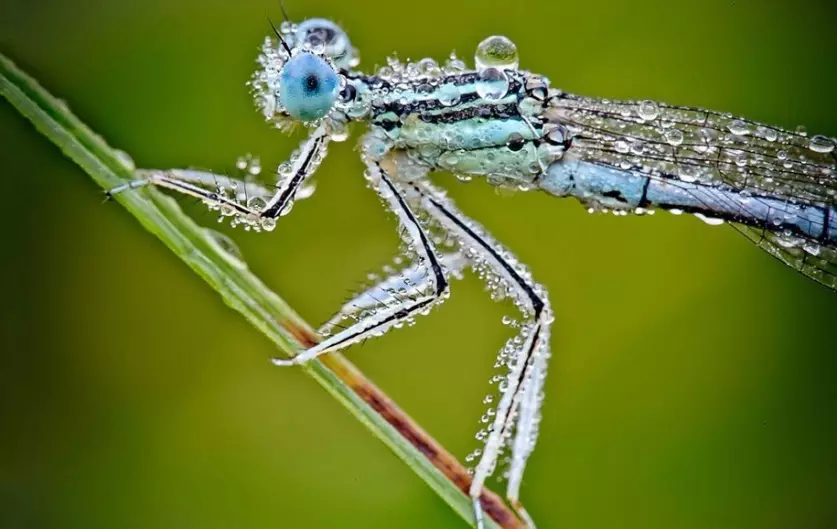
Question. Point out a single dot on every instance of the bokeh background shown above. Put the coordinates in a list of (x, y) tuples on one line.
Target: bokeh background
[(692, 382)]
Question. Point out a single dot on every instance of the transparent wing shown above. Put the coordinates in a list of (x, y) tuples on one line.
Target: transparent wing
[(819, 262), (696, 146)]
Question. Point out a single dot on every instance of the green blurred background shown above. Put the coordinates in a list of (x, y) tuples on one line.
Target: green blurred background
[(692, 382)]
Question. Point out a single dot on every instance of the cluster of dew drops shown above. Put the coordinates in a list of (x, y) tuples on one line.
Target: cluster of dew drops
[(251, 167), (494, 57)]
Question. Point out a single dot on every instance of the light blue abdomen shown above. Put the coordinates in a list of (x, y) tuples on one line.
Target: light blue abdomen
[(602, 186)]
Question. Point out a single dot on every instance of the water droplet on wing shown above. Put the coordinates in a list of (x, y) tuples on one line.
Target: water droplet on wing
[(648, 110), (822, 144)]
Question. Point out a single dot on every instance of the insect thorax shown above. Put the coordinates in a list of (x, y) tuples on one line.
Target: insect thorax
[(464, 124)]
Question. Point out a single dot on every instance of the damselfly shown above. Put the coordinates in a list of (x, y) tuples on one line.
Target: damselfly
[(510, 126)]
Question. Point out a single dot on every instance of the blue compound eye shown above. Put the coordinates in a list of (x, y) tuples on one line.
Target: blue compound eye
[(308, 87)]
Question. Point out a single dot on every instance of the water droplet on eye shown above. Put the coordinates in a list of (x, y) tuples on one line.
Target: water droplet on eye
[(782, 155), (648, 110), (492, 84), (820, 143), (674, 137), (227, 247), (496, 52), (741, 160), (449, 95)]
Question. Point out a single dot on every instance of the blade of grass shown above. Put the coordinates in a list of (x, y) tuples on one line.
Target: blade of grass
[(245, 293)]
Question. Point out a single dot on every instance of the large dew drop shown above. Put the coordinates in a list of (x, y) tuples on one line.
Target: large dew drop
[(820, 143), (648, 110), (496, 52), (492, 84)]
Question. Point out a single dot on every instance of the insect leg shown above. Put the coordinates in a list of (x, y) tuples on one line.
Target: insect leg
[(517, 415), (376, 322), (292, 175)]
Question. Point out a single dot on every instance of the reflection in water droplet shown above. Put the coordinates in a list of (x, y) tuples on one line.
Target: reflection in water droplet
[(768, 133), (496, 52), (648, 110), (621, 146), (492, 84), (256, 204), (674, 137), (738, 127), (268, 224), (820, 143)]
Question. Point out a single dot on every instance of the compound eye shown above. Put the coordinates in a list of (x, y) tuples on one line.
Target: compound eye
[(308, 87), (316, 32)]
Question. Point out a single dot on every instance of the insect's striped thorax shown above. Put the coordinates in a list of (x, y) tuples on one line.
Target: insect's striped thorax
[(447, 124)]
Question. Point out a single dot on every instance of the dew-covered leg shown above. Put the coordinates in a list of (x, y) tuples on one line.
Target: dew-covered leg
[(402, 308), (514, 423), (198, 184), (392, 289), (262, 209)]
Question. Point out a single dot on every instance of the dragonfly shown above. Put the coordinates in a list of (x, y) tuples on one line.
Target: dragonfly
[(510, 126)]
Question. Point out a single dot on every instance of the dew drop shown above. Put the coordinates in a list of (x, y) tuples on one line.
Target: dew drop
[(306, 190), (820, 143), (674, 137), (256, 204), (492, 84), (738, 127), (268, 224), (496, 52), (648, 110), (621, 146), (449, 95), (709, 220), (688, 174), (428, 68), (768, 133)]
